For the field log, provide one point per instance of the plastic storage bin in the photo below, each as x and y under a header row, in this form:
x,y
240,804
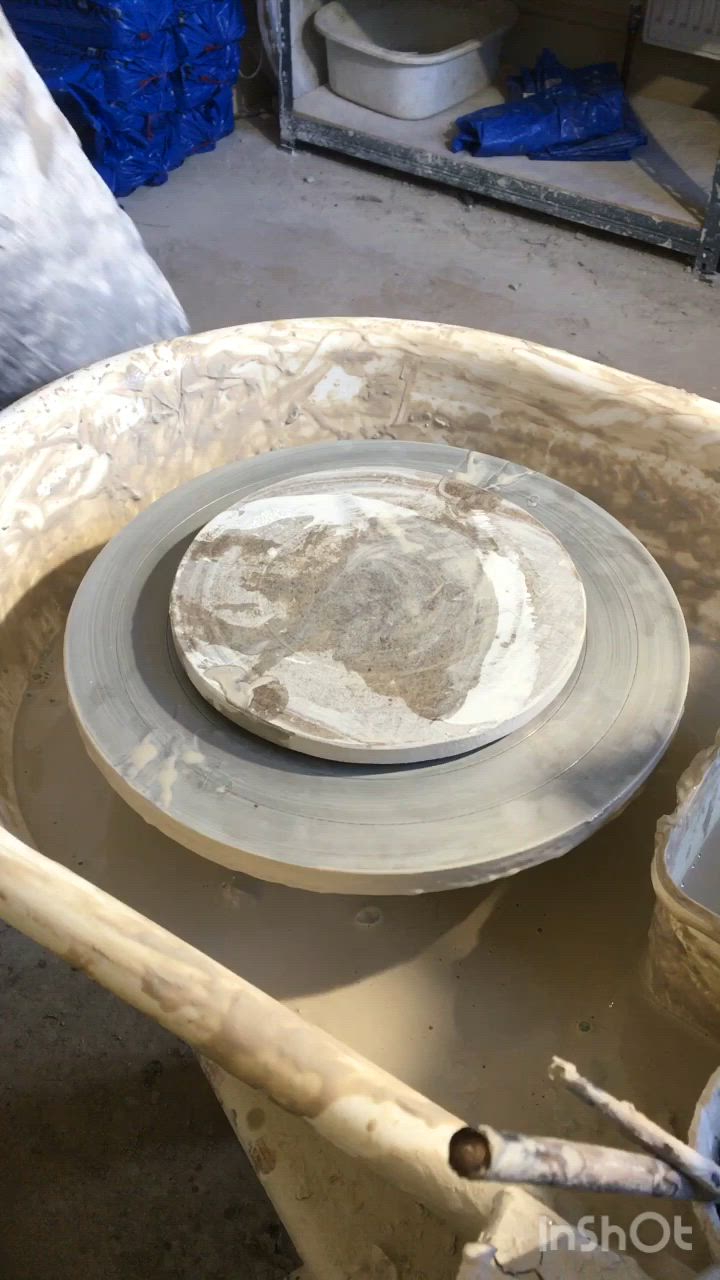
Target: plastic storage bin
x,y
413,58
683,963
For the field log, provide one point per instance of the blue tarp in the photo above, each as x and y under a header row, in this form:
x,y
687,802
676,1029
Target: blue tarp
x,y
558,113
145,83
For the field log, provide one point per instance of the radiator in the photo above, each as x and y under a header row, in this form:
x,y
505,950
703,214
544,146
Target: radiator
x,y
691,25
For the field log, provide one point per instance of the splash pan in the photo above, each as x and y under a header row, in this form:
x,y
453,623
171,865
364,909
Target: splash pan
x,y
463,995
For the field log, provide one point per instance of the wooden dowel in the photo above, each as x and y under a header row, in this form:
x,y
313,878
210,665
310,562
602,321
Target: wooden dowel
x,y
395,1131
485,1154
649,1135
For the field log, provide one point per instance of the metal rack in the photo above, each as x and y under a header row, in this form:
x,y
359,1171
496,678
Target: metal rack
x,y
669,195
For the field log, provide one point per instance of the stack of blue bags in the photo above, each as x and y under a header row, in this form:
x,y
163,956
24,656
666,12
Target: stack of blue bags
x,y
145,83
556,113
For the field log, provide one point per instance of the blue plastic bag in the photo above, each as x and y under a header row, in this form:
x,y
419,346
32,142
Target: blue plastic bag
x,y
558,113
614,146
543,120
549,73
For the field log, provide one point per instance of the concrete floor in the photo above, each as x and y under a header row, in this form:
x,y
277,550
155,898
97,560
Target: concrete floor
x,y
116,1163
252,233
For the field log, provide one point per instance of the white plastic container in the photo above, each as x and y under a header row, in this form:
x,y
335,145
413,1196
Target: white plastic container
x,y
413,58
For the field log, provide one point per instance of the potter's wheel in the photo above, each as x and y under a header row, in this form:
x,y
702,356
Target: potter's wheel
x,y
338,608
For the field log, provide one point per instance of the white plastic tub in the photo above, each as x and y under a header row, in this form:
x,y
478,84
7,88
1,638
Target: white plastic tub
x,y
684,952
413,58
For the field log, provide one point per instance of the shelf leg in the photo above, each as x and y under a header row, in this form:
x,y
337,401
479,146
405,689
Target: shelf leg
x,y
708,254
285,81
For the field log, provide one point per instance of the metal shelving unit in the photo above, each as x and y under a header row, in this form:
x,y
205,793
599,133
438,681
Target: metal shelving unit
x,y
668,195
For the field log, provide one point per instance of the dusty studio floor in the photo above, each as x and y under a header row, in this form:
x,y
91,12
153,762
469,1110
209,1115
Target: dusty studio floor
x,y
116,1162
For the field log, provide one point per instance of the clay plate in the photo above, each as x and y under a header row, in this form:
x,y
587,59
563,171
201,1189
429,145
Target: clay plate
x,y
380,616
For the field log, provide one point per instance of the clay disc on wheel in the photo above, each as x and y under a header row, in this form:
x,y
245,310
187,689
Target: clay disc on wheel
x,y
367,615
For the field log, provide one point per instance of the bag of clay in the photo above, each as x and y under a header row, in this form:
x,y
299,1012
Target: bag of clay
x,y
105,77
77,282
127,25
152,84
